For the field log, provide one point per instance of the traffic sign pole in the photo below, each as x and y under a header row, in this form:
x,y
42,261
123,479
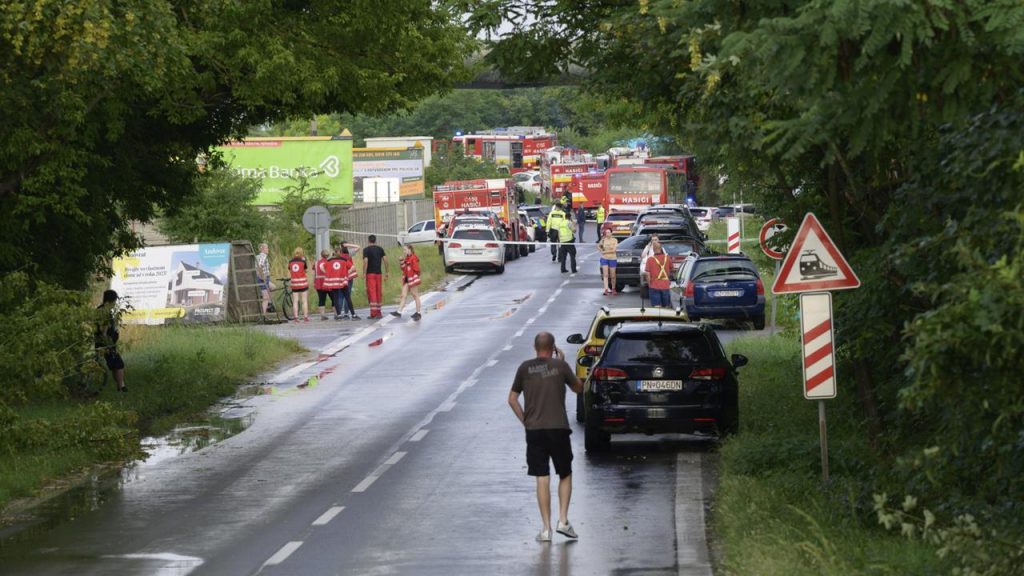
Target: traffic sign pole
x,y
823,434
775,299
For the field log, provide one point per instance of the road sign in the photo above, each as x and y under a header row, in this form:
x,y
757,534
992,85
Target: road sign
x,y
814,263
733,235
316,218
817,341
771,228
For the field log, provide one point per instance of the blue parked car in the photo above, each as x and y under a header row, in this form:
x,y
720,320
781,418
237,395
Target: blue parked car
x,y
725,286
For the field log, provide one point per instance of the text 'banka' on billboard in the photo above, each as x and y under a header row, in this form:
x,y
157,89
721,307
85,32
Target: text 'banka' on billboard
x,y
326,161
186,283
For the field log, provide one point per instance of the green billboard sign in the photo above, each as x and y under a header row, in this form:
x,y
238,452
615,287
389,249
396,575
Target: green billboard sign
x,y
278,161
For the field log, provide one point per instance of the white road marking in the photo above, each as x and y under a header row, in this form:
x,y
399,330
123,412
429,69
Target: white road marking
x,y
519,332
369,480
531,320
419,435
346,341
386,320
557,292
446,407
291,372
491,363
507,347
328,516
543,309
564,282
283,554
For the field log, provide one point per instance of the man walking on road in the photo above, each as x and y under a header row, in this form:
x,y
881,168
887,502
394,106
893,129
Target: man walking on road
x,y
375,264
581,223
542,382
567,246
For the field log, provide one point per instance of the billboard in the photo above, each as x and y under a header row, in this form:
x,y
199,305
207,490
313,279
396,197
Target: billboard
x,y
405,164
327,159
179,282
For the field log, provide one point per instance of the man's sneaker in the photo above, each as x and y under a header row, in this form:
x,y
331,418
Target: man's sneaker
x,y
544,536
416,316
396,314
354,317
566,530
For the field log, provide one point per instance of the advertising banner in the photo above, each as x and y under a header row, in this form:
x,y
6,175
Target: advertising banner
x,y
326,160
405,164
186,283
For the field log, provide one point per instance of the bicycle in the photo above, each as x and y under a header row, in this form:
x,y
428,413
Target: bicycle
x,y
286,299
87,378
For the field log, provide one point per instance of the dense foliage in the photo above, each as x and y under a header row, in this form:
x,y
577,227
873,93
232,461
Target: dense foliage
x,y
221,210
107,104
899,125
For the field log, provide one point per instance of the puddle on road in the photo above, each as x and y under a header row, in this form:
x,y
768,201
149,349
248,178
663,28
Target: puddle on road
x,y
69,499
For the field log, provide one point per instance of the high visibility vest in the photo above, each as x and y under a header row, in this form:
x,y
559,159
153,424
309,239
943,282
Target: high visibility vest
x,y
352,272
337,274
555,219
659,278
297,272
320,274
600,214
565,231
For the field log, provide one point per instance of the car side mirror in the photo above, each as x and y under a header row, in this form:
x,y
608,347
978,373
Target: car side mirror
x,y
739,360
587,361
575,339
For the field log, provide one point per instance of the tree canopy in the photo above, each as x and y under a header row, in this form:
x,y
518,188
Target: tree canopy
x,y
107,104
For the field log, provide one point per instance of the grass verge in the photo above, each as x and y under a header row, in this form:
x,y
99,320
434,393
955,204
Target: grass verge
x,y
173,373
431,272
773,515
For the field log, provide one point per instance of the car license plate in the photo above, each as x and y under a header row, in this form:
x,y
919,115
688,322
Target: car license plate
x,y
625,260
660,385
728,293
474,251
657,413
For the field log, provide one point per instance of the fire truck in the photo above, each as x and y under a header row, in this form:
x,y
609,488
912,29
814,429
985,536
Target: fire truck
x,y
633,188
517,148
495,197
588,189
682,174
556,177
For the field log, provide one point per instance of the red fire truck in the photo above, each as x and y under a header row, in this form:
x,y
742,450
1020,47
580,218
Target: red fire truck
x,y
682,168
632,188
555,178
588,189
486,196
518,148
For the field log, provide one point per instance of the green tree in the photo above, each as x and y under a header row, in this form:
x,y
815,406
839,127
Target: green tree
x,y
449,165
108,103
221,210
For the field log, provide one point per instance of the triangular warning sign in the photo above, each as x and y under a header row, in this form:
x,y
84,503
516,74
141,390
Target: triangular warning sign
x,y
814,263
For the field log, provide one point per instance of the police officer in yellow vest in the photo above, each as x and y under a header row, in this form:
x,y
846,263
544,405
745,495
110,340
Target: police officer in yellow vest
x,y
567,247
600,220
555,219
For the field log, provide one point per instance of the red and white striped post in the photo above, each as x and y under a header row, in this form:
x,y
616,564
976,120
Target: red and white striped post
x,y
818,359
733,235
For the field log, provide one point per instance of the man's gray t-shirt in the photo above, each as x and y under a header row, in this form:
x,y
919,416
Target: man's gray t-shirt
x,y
542,382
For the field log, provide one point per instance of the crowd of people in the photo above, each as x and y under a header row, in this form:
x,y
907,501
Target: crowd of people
x,y
334,277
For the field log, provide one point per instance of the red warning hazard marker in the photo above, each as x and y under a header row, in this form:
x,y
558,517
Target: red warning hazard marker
x,y
733,235
814,263
817,342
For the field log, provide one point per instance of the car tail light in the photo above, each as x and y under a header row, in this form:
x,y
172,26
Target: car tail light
x,y
454,245
707,374
614,420
609,374
592,350
704,420
491,245
760,287
688,293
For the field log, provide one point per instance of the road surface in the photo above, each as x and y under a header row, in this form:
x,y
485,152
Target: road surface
x,y
404,459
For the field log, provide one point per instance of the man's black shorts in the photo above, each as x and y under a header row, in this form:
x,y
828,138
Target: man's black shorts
x,y
544,445
114,360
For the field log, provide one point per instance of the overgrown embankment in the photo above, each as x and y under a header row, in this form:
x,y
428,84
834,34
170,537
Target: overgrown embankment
x,y
773,514
173,373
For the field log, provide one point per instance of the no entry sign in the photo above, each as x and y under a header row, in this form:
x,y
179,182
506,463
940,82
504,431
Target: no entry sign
x,y
817,342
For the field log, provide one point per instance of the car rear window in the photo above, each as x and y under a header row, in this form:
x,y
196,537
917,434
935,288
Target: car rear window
x,y
634,243
664,348
604,329
698,212
621,217
717,268
473,234
678,248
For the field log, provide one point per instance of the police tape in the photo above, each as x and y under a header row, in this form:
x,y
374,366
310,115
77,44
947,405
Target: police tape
x,y
512,242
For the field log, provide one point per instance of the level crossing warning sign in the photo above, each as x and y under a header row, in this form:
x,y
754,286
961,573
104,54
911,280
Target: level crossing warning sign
x,y
817,343
814,263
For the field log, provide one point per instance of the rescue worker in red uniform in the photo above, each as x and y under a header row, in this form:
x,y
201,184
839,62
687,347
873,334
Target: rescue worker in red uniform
x,y
319,275
410,265
300,284
658,269
336,280
346,292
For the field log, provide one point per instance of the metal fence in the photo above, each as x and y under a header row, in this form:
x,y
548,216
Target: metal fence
x,y
383,219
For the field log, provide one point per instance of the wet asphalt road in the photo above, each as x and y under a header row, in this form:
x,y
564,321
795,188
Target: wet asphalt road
x,y
404,459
